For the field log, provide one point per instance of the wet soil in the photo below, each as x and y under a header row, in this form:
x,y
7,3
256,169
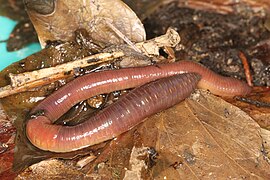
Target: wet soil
x,y
216,40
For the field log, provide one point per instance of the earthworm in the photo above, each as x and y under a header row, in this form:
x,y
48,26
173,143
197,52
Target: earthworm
x,y
84,87
92,84
115,119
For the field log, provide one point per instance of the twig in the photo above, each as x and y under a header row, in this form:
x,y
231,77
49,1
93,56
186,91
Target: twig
x,y
9,90
246,68
29,80
253,102
151,47
67,68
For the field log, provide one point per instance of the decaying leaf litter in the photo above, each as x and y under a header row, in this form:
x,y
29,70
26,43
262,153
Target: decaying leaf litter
x,y
116,164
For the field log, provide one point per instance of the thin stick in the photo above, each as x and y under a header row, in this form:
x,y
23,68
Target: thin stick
x,y
122,36
246,68
28,77
9,90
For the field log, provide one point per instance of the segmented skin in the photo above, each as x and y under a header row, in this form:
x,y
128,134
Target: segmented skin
x,y
117,118
126,112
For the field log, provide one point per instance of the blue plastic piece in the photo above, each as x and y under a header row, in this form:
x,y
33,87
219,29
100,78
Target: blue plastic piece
x,y
7,58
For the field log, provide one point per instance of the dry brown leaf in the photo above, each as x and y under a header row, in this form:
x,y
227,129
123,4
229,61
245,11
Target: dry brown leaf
x,y
266,143
209,138
94,16
51,169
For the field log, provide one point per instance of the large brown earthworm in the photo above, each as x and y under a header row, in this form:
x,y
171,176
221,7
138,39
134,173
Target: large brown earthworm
x,y
90,85
115,119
